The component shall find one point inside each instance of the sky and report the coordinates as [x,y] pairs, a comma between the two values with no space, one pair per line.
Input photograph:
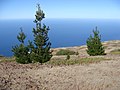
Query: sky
[25,9]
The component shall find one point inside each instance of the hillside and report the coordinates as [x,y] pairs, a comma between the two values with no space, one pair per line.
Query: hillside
[102,75]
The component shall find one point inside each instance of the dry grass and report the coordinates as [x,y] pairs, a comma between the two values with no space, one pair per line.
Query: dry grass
[104,75]
[117,51]
[7,59]
[81,72]
[76,61]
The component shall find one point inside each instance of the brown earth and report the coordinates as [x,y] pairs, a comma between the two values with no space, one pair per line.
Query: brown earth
[104,75]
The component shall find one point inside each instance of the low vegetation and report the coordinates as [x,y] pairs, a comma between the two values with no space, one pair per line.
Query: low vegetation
[78,61]
[68,57]
[117,51]
[7,59]
[66,52]
[60,62]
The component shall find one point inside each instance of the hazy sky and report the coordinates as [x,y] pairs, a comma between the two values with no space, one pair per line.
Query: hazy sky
[18,9]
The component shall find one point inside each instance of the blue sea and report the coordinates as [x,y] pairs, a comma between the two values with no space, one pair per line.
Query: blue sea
[63,32]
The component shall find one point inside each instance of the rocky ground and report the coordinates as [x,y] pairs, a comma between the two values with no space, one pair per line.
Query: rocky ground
[104,75]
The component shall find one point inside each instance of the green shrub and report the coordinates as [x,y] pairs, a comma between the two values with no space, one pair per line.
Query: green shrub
[66,52]
[77,53]
[94,45]
[68,57]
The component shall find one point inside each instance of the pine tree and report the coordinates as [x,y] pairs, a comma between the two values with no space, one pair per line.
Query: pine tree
[21,51]
[94,44]
[41,52]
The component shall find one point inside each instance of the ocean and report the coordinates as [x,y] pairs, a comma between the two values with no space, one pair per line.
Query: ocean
[63,32]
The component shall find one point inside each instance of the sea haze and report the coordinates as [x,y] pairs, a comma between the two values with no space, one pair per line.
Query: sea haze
[63,32]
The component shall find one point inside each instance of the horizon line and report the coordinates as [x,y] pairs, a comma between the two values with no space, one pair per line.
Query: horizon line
[53,18]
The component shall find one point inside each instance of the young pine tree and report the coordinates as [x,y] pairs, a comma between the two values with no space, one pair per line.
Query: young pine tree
[21,51]
[94,44]
[41,51]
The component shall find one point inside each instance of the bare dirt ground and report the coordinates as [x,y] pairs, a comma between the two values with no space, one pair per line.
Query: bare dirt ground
[97,76]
